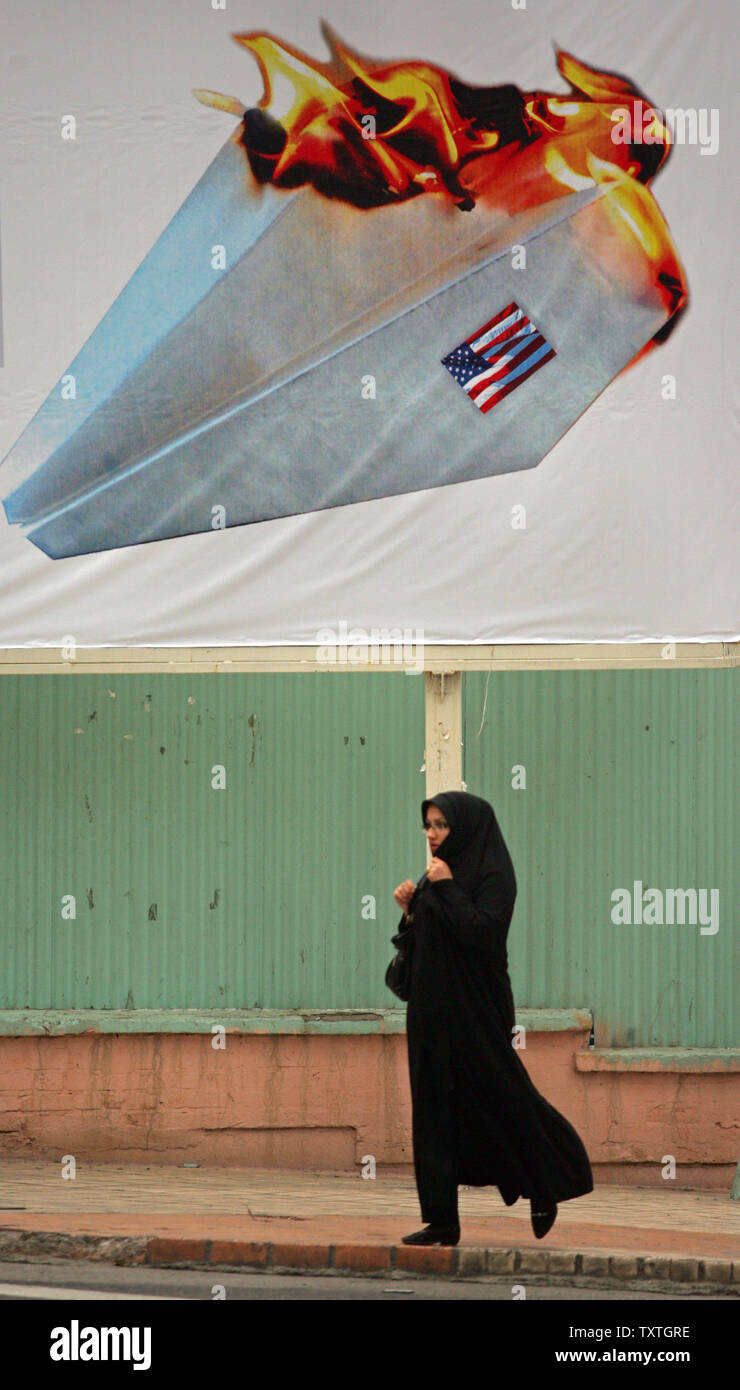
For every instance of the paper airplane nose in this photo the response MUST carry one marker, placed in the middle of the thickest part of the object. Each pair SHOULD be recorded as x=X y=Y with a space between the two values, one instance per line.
x=309 y=372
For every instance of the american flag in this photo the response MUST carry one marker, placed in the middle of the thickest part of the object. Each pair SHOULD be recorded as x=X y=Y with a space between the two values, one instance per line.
x=499 y=357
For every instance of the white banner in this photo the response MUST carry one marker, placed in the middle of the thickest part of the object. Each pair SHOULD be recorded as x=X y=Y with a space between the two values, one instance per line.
x=420 y=321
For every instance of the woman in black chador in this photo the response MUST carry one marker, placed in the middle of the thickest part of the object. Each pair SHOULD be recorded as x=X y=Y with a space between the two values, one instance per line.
x=477 y=1117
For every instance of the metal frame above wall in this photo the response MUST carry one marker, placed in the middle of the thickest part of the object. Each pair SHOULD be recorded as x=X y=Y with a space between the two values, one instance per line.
x=438 y=657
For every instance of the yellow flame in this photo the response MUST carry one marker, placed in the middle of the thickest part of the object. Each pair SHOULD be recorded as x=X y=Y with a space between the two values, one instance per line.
x=633 y=203
x=558 y=168
x=423 y=93
x=600 y=86
x=291 y=86
x=232 y=105
x=628 y=203
x=563 y=108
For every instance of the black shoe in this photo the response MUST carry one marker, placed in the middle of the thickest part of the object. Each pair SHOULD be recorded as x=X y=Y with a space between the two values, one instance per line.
x=434 y=1235
x=543 y=1216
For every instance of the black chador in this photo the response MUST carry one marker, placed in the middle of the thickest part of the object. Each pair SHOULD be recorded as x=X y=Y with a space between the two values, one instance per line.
x=477 y=1118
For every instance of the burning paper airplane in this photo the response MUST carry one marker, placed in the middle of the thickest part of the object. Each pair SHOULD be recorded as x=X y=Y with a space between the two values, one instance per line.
x=374 y=219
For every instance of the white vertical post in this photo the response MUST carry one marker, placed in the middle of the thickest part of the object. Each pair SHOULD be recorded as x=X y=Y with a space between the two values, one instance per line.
x=443 y=731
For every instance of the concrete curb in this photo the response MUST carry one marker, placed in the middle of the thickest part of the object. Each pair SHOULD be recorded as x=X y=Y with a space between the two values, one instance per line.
x=467 y=1262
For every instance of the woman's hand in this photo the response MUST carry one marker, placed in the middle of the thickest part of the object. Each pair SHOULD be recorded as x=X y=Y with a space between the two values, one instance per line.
x=438 y=869
x=404 y=893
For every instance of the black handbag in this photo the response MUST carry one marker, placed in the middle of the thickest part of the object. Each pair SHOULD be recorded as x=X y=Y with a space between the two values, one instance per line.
x=398 y=974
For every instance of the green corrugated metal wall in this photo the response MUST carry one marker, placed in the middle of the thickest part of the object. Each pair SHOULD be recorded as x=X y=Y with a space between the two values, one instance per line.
x=188 y=896
x=630 y=775
x=252 y=896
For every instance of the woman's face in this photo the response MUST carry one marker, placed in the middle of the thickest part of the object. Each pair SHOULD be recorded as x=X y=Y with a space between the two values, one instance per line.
x=435 y=827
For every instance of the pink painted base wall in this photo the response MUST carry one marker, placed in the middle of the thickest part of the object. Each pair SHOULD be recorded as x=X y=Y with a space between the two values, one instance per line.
x=319 y=1101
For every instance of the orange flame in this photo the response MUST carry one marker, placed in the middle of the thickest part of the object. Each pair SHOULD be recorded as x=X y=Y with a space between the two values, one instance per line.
x=371 y=133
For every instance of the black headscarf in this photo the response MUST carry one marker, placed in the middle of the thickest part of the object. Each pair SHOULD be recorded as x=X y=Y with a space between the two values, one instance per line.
x=474 y=846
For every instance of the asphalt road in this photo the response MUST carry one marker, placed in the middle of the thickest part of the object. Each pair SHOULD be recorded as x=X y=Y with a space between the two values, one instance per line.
x=88 y=1280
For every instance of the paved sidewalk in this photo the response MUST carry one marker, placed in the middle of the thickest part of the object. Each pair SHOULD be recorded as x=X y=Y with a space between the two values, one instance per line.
x=274 y=1218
